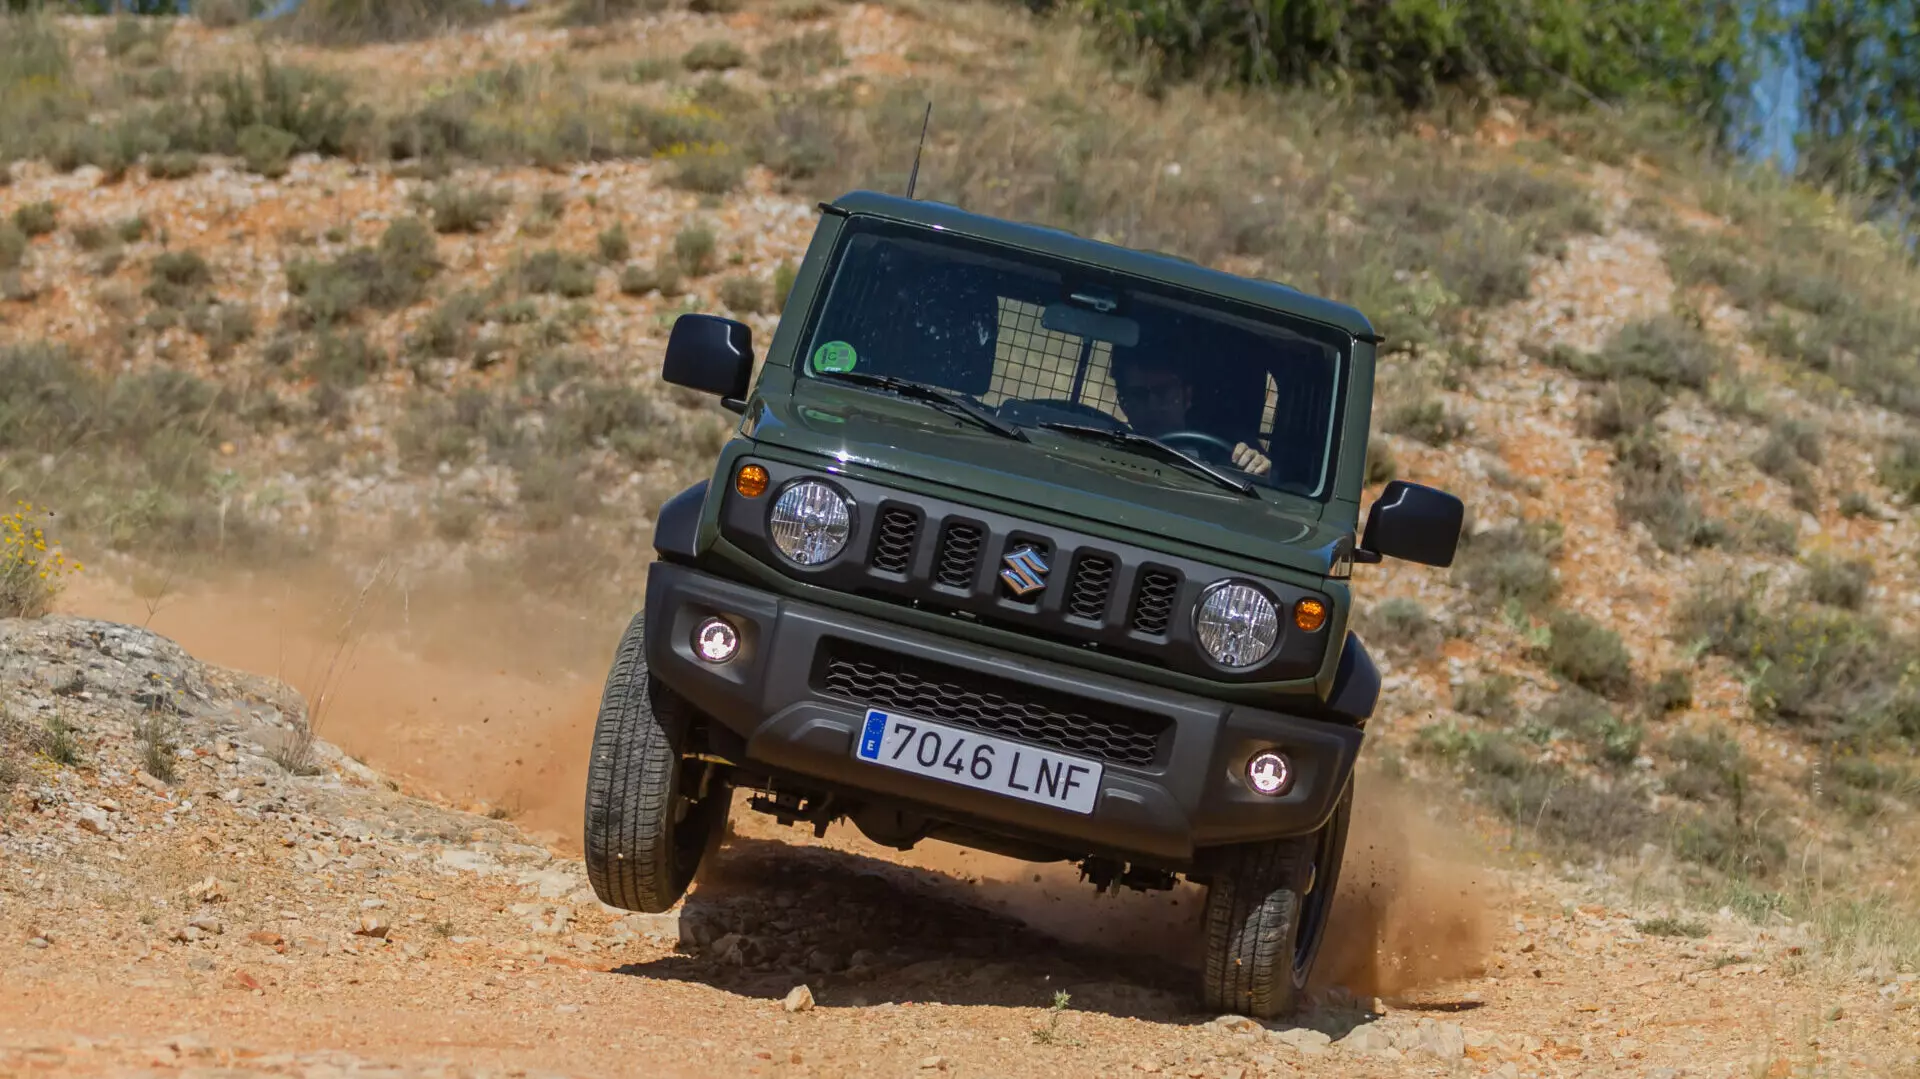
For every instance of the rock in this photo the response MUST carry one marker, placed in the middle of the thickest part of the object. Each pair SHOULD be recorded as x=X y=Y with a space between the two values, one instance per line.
x=1304 y=1040
x=93 y=819
x=371 y=926
x=664 y=926
x=730 y=949
x=1443 y=1040
x=1236 y=1024
x=1367 y=1038
x=799 y=999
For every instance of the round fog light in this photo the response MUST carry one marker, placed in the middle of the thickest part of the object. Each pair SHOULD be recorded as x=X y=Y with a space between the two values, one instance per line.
x=716 y=640
x=1269 y=773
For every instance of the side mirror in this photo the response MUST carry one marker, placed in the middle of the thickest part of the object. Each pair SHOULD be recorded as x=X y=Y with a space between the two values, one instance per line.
x=713 y=355
x=1412 y=522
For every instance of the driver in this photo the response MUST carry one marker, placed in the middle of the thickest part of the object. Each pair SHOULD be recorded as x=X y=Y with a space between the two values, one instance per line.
x=1156 y=395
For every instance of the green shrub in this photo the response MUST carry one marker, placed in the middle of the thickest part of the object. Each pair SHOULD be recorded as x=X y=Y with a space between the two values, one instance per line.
x=358 y=22
x=1401 y=625
x=1723 y=841
x=178 y=279
x=1672 y=927
x=743 y=294
x=1588 y=654
x=1672 y=691
x=783 y=276
x=1766 y=534
x=1708 y=768
x=388 y=277
x=1665 y=350
x=36 y=218
x=13 y=246
x=266 y=150
x=130 y=32
x=559 y=272
x=1654 y=492
x=1426 y=419
x=708 y=171
x=223 y=325
x=343 y=360
x=1489 y=698
x=1511 y=566
x=1839 y=582
x=1900 y=470
x=1628 y=406
x=717 y=54
x=803 y=55
x=1382 y=466
x=1588 y=718
x=464 y=209
x=174 y=165
x=614 y=245
x=693 y=249
x=663 y=276
x=225 y=14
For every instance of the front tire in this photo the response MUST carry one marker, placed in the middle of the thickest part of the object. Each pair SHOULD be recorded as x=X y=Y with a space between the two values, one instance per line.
x=1266 y=915
x=648 y=819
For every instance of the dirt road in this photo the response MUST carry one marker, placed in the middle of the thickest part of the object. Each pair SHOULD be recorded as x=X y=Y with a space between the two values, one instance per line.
x=242 y=920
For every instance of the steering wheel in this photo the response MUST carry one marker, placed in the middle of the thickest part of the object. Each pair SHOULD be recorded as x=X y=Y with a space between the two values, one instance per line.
x=1200 y=443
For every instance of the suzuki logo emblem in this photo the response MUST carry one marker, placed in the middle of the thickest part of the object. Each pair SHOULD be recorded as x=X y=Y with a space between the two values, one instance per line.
x=1026 y=571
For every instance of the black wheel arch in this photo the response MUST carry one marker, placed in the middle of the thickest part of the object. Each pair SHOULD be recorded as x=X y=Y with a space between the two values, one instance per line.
x=1356 y=685
x=676 y=529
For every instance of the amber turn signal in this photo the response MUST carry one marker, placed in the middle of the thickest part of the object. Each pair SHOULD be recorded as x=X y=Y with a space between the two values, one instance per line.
x=1309 y=614
x=751 y=482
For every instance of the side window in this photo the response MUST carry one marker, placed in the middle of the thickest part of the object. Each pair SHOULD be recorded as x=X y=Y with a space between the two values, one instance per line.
x=1030 y=361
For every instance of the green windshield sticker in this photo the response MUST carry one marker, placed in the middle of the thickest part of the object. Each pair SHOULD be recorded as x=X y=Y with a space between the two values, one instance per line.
x=835 y=356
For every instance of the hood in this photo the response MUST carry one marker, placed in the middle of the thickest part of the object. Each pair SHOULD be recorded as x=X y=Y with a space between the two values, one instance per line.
x=1109 y=490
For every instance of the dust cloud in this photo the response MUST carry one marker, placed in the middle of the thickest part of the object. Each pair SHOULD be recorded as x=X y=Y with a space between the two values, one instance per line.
x=1415 y=908
x=486 y=703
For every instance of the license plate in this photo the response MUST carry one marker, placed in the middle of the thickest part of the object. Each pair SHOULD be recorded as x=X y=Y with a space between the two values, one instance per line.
x=980 y=761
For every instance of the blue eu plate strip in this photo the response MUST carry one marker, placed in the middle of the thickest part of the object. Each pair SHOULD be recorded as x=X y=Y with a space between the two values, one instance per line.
x=870 y=736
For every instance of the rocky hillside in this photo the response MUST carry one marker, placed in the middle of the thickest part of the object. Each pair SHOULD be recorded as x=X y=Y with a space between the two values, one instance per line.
x=377 y=327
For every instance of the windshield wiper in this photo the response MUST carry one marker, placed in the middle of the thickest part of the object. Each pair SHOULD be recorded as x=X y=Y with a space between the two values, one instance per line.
x=1137 y=441
x=940 y=397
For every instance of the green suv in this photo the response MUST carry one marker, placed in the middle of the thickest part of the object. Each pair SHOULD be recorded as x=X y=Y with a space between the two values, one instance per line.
x=1024 y=542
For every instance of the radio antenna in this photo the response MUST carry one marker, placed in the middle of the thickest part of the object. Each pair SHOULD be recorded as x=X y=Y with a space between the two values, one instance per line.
x=914 y=176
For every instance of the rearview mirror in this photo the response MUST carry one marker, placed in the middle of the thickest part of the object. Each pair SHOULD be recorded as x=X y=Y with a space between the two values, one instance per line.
x=1414 y=523
x=713 y=355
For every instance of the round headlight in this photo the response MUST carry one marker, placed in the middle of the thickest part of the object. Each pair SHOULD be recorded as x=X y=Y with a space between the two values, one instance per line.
x=810 y=522
x=1237 y=624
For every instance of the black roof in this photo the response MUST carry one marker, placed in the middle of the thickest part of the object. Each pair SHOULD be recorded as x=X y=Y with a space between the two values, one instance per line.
x=1149 y=264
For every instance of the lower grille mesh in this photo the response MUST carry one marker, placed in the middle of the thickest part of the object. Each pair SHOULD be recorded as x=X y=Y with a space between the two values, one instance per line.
x=936 y=691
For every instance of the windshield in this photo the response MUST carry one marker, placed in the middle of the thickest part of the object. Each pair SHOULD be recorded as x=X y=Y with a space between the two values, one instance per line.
x=1038 y=341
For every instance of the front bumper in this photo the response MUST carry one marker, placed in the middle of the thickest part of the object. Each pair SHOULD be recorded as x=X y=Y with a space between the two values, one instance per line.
x=1183 y=790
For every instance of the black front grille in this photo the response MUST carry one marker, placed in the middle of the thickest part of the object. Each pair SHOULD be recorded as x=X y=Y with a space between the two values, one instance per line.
x=959 y=556
x=964 y=698
x=893 y=540
x=1090 y=587
x=1153 y=601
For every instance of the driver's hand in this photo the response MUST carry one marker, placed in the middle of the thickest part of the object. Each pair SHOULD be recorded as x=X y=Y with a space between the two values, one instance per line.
x=1249 y=460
